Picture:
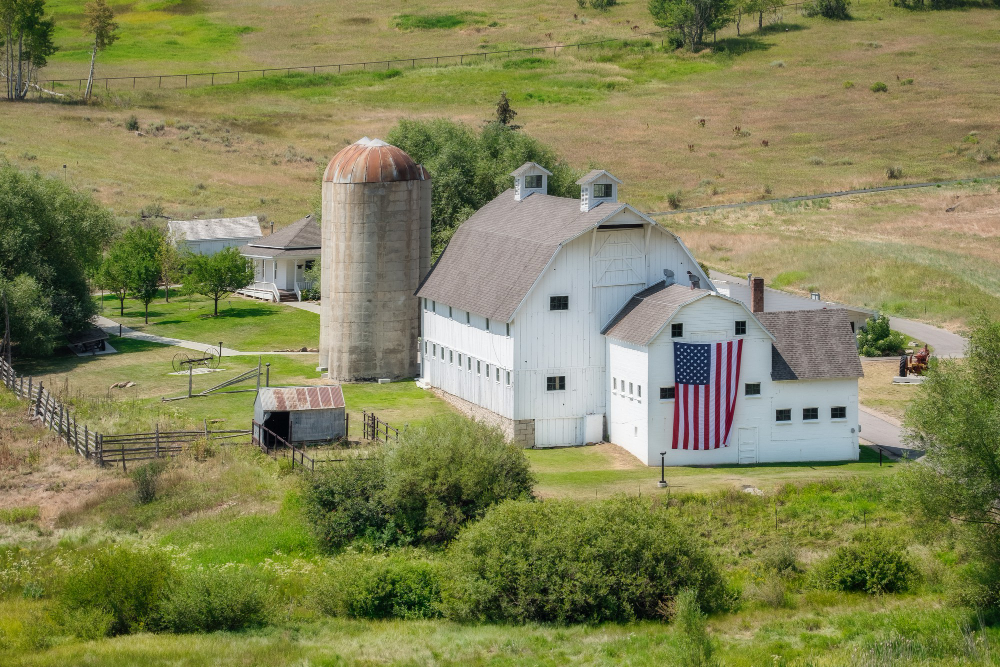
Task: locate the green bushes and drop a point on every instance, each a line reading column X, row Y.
column 218, row 598
column 144, row 478
column 876, row 339
column 420, row 490
column 838, row 10
column 879, row 87
column 399, row 585
column 872, row 563
column 696, row 647
column 567, row 562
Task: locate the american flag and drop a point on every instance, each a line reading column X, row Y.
column 706, row 377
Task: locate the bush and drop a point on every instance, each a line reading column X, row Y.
column 674, row 200
column 344, row 502
column 873, row 563
column 377, row 587
column 572, row 562
column 879, row 87
column 876, row 339
column 215, row 599
column 848, row 84
column 838, row 10
column 125, row 584
column 779, row 558
column 696, row 646
column 132, row 124
column 144, row 478
column 894, row 173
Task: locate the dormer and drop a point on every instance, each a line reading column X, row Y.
column 530, row 178
column 596, row 188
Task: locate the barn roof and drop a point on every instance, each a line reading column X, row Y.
column 812, row 345
column 247, row 227
column 299, row 239
column 294, row 399
column 497, row 255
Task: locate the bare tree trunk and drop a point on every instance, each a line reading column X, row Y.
column 760, row 21
column 90, row 79
column 20, row 65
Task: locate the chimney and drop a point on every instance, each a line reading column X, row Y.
column 757, row 295
column 668, row 277
column 694, row 280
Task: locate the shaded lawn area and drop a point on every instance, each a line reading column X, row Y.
column 242, row 324
column 605, row 470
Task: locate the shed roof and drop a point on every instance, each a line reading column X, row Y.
column 294, row 399
column 302, row 238
column 495, row 257
column 812, row 345
column 247, row 227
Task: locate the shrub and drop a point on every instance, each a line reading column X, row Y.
column 570, row 562
column 132, row 124
column 816, row 161
column 779, row 558
column 674, row 200
column 215, row 599
column 876, row 339
column 400, row 585
column 879, row 87
column 832, row 9
column 873, row 563
column 343, row 503
column 695, row 646
column 125, row 584
column 144, row 478
column 906, row 82
column 769, row 589
column 848, row 84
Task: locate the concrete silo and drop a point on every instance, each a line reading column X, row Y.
column 376, row 249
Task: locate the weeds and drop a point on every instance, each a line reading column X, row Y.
column 879, row 87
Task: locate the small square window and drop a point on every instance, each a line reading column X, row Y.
column 751, row 389
column 479, row 367
column 630, row 388
column 451, row 356
column 838, row 412
column 667, row 393
column 533, row 181
column 602, row 190
column 508, row 378
column 559, row 303
column 555, row 383
column 783, row 415
column 810, row 414
column 741, row 327
column 676, row 330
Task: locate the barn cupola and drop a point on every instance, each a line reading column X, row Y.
column 530, row 178
column 596, row 188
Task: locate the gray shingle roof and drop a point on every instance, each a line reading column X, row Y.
column 646, row 312
column 495, row 256
column 528, row 166
column 299, row 239
column 812, row 345
column 247, row 227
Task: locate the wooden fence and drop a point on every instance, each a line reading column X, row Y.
column 271, row 443
column 376, row 429
column 103, row 449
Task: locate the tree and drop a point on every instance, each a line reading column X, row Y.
column 26, row 42
column 691, row 19
column 955, row 418
column 99, row 22
column 505, row 113
column 33, row 325
column 113, row 274
column 876, row 339
column 54, row 235
column 172, row 262
column 221, row 274
column 471, row 166
column 144, row 267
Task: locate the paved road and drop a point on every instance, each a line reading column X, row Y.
column 945, row 343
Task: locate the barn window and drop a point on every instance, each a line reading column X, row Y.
column 479, row 367
column 498, row 373
column 487, row 371
column 442, row 353
column 508, row 378
column 602, row 190
column 468, row 317
column 667, row 393
column 470, row 364
column 434, row 347
column 751, row 389
column 614, row 383
column 487, row 324
column 449, row 313
column 425, row 347
column 676, row 330
column 638, row 388
column 459, row 359
column 783, row 415
column 630, row 388
column 508, row 330
column 451, row 356
column 741, row 327
column 533, row 181
column 555, row 383
column 810, row 414
column 558, row 303
column 838, row 412
column 434, row 306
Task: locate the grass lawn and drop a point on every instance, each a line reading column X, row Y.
column 242, row 324
column 876, row 390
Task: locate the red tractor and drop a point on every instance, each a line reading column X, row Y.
column 914, row 364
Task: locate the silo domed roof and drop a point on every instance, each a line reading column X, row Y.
column 373, row 161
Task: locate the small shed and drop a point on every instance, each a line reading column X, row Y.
column 302, row 414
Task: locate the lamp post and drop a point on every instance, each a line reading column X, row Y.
column 663, row 480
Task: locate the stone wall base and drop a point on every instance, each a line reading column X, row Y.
column 480, row 414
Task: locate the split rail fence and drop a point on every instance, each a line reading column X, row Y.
column 102, row 449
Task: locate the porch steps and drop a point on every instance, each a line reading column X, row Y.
column 287, row 295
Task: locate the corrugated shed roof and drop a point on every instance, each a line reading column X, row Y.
column 247, row 227
column 812, row 345
column 495, row 256
column 646, row 312
column 373, row 161
column 302, row 238
column 294, row 399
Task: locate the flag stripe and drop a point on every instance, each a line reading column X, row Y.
column 706, row 387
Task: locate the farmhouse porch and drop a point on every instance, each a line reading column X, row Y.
column 281, row 261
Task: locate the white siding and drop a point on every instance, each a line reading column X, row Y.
column 628, row 411
column 824, row 439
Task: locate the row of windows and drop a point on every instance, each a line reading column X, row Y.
column 432, row 306
column 810, row 414
column 635, row 390
column 435, row 351
column 749, row 389
column 739, row 329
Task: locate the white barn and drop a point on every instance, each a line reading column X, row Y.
column 209, row 236
column 555, row 318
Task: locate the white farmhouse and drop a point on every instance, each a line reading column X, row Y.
column 281, row 260
column 559, row 319
column 207, row 237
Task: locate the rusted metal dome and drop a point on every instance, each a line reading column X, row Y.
column 373, row 161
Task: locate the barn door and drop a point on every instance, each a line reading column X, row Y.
column 746, row 439
column 619, row 258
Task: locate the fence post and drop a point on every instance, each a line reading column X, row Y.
column 29, row 394
column 59, row 425
column 157, row 450
column 86, row 436
column 38, row 402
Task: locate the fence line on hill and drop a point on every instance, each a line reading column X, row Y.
column 102, row 449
